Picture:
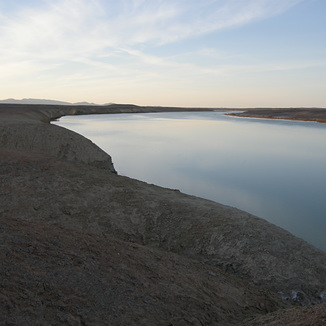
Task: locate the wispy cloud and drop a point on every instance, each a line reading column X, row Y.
column 88, row 40
column 75, row 27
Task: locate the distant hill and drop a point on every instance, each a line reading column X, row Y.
column 42, row 101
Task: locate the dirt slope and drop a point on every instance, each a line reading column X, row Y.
column 50, row 275
column 78, row 196
column 81, row 244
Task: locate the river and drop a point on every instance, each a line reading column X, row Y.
column 275, row 169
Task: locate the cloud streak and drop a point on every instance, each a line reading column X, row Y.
column 68, row 27
column 72, row 42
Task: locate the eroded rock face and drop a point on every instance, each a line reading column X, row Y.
column 49, row 275
column 312, row 316
column 54, row 141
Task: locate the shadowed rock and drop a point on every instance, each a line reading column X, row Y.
column 80, row 197
column 54, row 141
column 53, row 276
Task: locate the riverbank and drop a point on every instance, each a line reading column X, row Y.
column 82, row 244
column 46, row 112
column 300, row 114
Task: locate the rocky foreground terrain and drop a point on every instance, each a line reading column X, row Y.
column 81, row 245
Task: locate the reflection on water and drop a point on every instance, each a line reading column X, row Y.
column 271, row 168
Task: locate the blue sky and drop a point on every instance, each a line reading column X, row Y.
column 213, row 53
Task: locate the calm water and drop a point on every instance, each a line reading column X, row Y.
column 271, row 168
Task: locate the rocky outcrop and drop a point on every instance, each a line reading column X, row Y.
column 53, row 276
column 54, row 141
column 307, row 316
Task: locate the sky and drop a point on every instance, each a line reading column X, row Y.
column 192, row 53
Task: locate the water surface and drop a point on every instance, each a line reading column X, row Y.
column 274, row 169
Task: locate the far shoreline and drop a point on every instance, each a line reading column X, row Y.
column 297, row 114
column 56, row 111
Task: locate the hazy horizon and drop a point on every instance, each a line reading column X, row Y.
column 58, row 102
column 212, row 53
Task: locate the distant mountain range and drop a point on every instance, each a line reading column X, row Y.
column 43, row 101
